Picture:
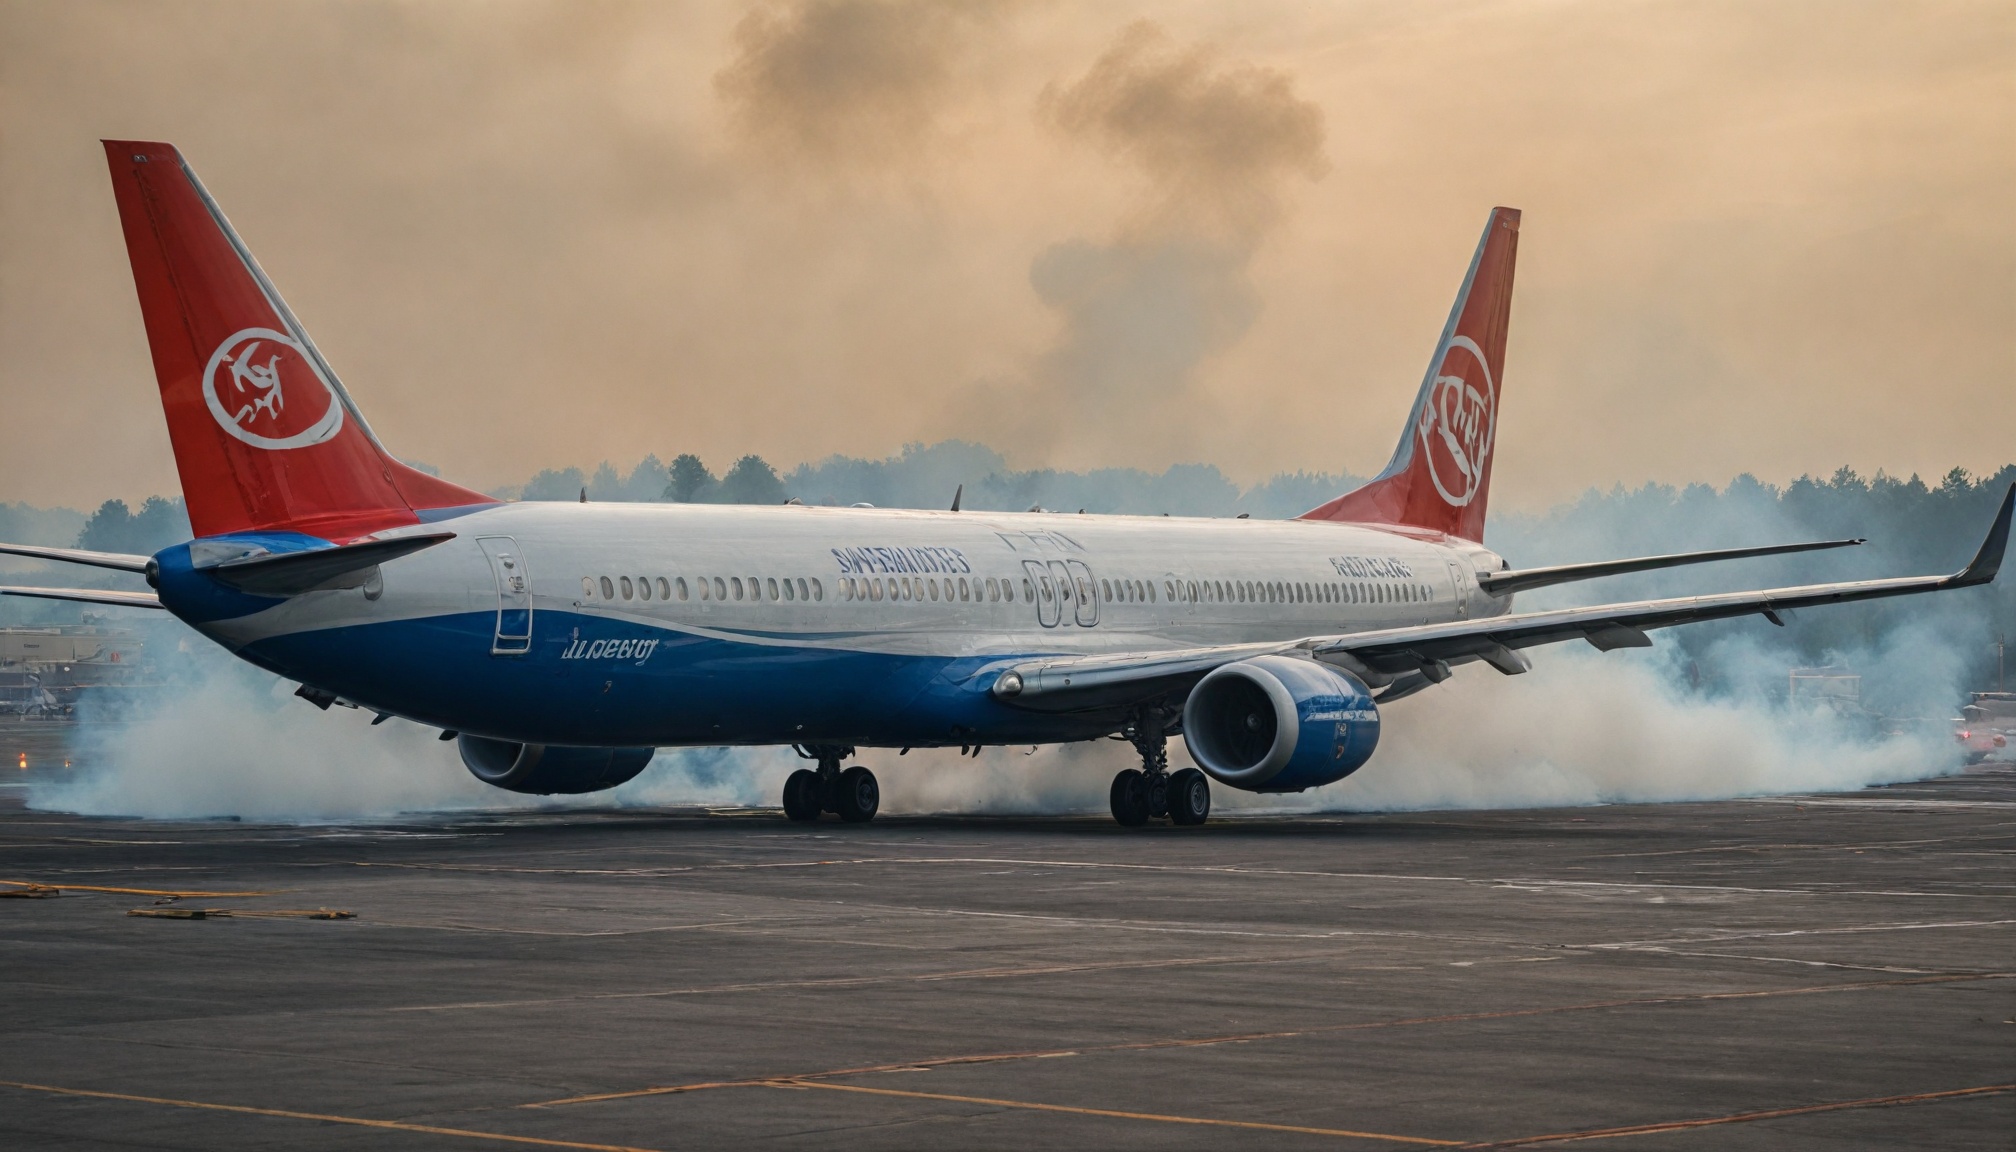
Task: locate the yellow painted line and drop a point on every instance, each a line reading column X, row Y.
column 358, row 1121
column 1748, row 1117
column 1252, row 1125
column 1253, row 1037
column 132, row 891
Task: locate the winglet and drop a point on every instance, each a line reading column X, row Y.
column 1988, row 561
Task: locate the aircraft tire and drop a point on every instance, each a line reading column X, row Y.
column 860, row 796
column 801, row 796
column 1189, row 797
column 1129, row 798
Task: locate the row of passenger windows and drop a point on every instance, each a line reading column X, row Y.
column 704, row 588
column 997, row 590
column 1275, row 592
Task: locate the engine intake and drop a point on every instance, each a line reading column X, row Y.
column 545, row 770
column 1280, row 724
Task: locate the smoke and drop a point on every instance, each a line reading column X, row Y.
column 1581, row 728
column 1213, row 145
column 229, row 741
column 847, row 81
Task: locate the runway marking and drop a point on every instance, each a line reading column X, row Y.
column 1228, row 869
column 133, row 891
column 857, row 981
column 357, row 1121
column 1028, row 1105
column 1252, row 1037
column 1747, row 1117
column 1773, row 934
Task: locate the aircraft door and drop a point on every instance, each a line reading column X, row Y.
column 1085, row 591
column 514, row 596
column 1049, row 607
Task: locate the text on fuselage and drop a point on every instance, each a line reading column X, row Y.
column 900, row 560
column 1373, row 567
column 634, row 650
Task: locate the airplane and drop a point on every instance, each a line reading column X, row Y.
column 560, row 644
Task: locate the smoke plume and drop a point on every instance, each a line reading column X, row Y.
column 1213, row 145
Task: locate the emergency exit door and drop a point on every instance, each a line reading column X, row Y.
column 513, row 636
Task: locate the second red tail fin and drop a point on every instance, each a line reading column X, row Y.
column 1440, row 475
column 265, row 437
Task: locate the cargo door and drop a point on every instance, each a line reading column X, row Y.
column 513, row 636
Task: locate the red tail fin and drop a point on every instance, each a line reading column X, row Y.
column 1440, row 475
column 265, row 437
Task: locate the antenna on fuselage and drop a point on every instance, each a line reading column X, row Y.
column 956, row 494
column 584, row 495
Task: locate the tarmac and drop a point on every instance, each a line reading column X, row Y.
column 1787, row 973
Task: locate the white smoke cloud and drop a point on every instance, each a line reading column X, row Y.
column 230, row 741
column 1581, row 728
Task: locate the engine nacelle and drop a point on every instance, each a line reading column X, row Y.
column 1280, row 724
column 543, row 770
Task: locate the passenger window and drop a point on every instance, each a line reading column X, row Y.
column 702, row 581
column 802, row 589
column 875, row 590
column 1106, row 589
column 932, row 584
column 1028, row 591
column 644, row 588
column 846, row 588
column 790, row 593
column 588, row 587
column 608, row 589
column 963, row 589
column 772, row 585
column 681, row 582
column 818, row 590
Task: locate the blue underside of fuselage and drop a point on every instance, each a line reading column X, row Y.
column 691, row 690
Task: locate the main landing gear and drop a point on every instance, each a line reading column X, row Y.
column 853, row 793
column 1152, row 791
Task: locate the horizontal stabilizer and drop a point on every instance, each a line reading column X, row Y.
column 119, row 560
column 292, row 573
column 1526, row 579
column 88, row 596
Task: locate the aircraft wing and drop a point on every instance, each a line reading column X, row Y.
column 1525, row 579
column 1405, row 660
column 88, row 596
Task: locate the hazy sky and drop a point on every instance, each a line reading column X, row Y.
column 1769, row 237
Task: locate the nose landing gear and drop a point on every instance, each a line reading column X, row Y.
column 852, row 794
column 1150, row 791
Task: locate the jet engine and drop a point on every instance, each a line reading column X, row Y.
column 543, row 770
column 1280, row 724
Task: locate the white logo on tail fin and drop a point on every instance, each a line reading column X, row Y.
column 1457, row 423
column 247, row 386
